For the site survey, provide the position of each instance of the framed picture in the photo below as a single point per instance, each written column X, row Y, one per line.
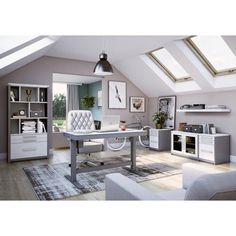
column 137, row 104
column 168, row 105
column 116, row 95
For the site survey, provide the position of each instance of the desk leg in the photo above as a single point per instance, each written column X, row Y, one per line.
column 133, row 152
column 73, row 152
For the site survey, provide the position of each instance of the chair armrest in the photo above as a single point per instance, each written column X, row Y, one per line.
column 193, row 171
column 119, row 187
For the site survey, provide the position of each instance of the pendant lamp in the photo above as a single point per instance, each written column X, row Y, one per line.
column 103, row 67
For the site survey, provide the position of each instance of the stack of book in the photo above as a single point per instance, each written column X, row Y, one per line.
column 28, row 127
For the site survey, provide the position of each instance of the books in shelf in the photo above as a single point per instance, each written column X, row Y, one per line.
column 19, row 117
column 28, row 127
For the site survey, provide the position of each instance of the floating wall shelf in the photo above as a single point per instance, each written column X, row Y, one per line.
column 204, row 110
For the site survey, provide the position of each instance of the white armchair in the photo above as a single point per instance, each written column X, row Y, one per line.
column 199, row 183
column 83, row 119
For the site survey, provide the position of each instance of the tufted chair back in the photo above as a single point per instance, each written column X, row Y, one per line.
column 80, row 119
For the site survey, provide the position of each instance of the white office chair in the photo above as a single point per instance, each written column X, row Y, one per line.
column 83, row 119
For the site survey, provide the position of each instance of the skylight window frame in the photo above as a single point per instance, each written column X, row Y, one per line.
column 165, row 69
column 196, row 50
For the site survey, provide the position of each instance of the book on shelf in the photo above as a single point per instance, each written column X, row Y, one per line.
column 29, row 127
column 19, row 117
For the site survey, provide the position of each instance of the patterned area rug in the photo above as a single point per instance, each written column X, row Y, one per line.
column 49, row 183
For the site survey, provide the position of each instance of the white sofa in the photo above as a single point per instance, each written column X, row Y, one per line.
column 199, row 183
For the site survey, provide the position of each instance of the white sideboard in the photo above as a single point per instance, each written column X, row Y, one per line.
column 212, row 148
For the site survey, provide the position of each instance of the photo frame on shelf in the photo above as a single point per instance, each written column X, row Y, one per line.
column 117, row 94
column 137, row 104
column 167, row 104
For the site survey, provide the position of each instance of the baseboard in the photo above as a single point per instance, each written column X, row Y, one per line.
column 232, row 158
column 3, row 156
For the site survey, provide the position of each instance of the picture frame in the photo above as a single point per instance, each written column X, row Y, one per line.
column 167, row 104
column 117, row 94
column 137, row 104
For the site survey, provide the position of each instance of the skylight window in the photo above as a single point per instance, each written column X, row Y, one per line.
column 169, row 65
column 215, row 54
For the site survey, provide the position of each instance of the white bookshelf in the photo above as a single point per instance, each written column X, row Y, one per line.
column 24, row 145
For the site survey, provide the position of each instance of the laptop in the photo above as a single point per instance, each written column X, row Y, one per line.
column 110, row 123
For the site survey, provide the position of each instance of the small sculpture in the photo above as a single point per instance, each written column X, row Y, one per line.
column 12, row 96
column 28, row 92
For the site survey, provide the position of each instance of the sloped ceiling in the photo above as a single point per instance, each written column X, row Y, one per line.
column 128, row 55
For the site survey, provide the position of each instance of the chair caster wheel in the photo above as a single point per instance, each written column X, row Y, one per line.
column 69, row 165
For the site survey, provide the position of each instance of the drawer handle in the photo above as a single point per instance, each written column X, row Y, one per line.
column 206, row 151
column 29, row 141
column 32, row 136
column 28, row 149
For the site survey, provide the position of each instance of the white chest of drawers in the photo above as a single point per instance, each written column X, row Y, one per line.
column 28, row 146
column 214, row 148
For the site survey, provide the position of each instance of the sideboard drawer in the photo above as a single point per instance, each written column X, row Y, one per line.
column 27, row 149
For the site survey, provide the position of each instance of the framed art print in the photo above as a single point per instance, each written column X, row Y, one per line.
column 167, row 104
column 137, row 104
column 116, row 95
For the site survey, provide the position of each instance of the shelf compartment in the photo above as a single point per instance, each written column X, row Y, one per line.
column 38, row 110
column 43, row 95
column 14, row 94
column 16, row 107
column 32, row 95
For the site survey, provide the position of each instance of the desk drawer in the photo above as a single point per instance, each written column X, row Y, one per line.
column 28, row 149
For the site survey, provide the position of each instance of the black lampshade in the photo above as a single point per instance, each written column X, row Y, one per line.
column 103, row 67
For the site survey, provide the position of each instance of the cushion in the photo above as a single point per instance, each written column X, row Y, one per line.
column 221, row 186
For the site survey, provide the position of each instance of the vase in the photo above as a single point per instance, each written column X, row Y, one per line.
column 159, row 126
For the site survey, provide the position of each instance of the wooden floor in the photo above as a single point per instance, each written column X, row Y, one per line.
column 14, row 185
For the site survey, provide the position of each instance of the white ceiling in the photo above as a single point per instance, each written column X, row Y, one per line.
column 127, row 54
column 118, row 48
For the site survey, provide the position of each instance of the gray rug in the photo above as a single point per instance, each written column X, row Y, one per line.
column 49, row 183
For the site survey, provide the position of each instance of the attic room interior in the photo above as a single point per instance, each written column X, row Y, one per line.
column 118, row 117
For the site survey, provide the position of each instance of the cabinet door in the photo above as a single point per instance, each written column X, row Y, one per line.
column 177, row 145
column 191, row 145
column 206, row 148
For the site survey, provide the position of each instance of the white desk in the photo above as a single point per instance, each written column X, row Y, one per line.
column 80, row 138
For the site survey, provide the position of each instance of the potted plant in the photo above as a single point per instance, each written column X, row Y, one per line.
column 159, row 118
column 88, row 101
